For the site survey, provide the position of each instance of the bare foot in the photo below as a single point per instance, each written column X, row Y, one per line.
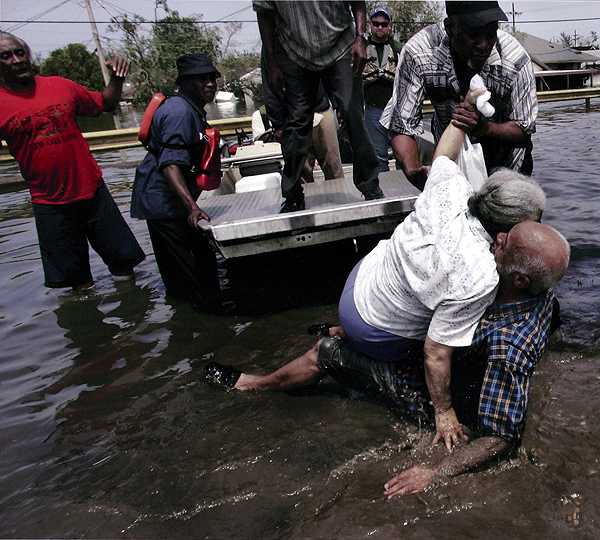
column 247, row 382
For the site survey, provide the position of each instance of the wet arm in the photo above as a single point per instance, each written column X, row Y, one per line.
column 438, row 361
column 176, row 180
column 465, row 458
column 450, row 142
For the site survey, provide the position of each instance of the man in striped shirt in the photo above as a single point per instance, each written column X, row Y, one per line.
column 438, row 64
column 305, row 43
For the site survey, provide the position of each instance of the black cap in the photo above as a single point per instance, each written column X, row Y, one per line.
column 475, row 14
column 194, row 64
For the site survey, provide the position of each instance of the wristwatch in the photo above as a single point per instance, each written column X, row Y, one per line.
column 363, row 35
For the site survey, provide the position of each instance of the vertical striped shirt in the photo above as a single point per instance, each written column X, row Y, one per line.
column 314, row 34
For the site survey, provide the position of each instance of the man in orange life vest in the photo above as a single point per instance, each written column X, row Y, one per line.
column 165, row 189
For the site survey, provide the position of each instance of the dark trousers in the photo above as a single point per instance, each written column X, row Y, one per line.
column 300, row 99
column 64, row 231
column 186, row 261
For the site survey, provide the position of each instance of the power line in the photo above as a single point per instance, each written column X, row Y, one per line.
column 244, row 21
column 34, row 19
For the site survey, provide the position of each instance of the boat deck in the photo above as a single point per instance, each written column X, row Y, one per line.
column 249, row 223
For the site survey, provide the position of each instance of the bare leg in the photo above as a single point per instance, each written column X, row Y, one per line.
column 302, row 371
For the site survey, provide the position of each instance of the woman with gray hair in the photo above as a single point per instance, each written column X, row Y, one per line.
column 426, row 288
column 420, row 293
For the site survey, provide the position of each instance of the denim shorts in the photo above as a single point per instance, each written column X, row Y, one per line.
column 367, row 339
column 64, row 231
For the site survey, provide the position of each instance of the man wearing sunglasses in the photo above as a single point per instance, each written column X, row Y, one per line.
column 378, row 78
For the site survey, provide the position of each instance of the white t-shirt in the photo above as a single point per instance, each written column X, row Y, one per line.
column 436, row 275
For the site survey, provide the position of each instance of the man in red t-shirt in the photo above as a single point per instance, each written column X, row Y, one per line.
column 71, row 204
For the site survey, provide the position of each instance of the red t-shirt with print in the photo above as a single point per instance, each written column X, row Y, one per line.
column 40, row 127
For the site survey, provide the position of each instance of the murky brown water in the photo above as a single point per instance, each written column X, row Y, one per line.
column 109, row 430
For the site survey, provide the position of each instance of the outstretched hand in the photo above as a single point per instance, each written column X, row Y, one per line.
column 119, row 66
column 413, row 480
column 448, row 429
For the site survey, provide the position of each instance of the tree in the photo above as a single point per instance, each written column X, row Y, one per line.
column 234, row 67
column 75, row 62
column 566, row 40
column 591, row 41
column 410, row 17
column 154, row 53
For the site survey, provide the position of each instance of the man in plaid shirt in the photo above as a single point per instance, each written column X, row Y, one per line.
column 490, row 379
column 507, row 346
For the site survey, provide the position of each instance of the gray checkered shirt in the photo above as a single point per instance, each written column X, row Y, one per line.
column 426, row 70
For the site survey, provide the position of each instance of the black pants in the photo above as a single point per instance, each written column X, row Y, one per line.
column 300, row 99
column 186, row 261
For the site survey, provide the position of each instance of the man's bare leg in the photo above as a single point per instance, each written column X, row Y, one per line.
column 302, row 371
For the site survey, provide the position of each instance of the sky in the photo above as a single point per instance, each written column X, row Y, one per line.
column 43, row 32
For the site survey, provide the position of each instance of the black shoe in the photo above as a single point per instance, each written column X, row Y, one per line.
column 293, row 204
column 373, row 194
column 321, row 330
column 222, row 375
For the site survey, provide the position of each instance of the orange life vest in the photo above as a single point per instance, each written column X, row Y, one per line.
column 208, row 172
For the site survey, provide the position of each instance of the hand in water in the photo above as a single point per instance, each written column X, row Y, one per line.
column 448, row 429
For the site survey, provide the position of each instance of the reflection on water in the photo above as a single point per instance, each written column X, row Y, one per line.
column 110, row 430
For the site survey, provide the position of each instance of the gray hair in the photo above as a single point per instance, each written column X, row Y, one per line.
column 507, row 198
column 540, row 271
column 8, row 35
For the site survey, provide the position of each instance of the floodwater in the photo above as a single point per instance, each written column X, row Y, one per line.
column 109, row 429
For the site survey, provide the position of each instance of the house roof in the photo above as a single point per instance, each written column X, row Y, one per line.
column 550, row 53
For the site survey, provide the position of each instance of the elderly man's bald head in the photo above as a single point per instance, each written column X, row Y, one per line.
column 534, row 250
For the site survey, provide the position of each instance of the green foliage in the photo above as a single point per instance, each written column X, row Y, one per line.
column 409, row 17
column 153, row 53
column 566, row 40
column 75, row 62
column 233, row 68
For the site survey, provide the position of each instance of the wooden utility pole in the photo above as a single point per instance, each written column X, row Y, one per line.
column 513, row 13
column 105, row 74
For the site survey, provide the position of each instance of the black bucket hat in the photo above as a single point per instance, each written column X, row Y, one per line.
column 194, row 64
column 475, row 14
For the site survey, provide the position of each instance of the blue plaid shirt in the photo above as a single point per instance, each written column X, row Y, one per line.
column 512, row 337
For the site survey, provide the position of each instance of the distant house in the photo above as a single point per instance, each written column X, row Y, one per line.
column 556, row 66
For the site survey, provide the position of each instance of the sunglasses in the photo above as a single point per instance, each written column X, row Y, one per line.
column 377, row 24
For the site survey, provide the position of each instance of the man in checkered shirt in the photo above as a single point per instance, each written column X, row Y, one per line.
column 438, row 63
column 507, row 346
column 490, row 379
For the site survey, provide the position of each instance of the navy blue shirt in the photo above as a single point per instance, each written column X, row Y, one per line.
column 179, row 124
